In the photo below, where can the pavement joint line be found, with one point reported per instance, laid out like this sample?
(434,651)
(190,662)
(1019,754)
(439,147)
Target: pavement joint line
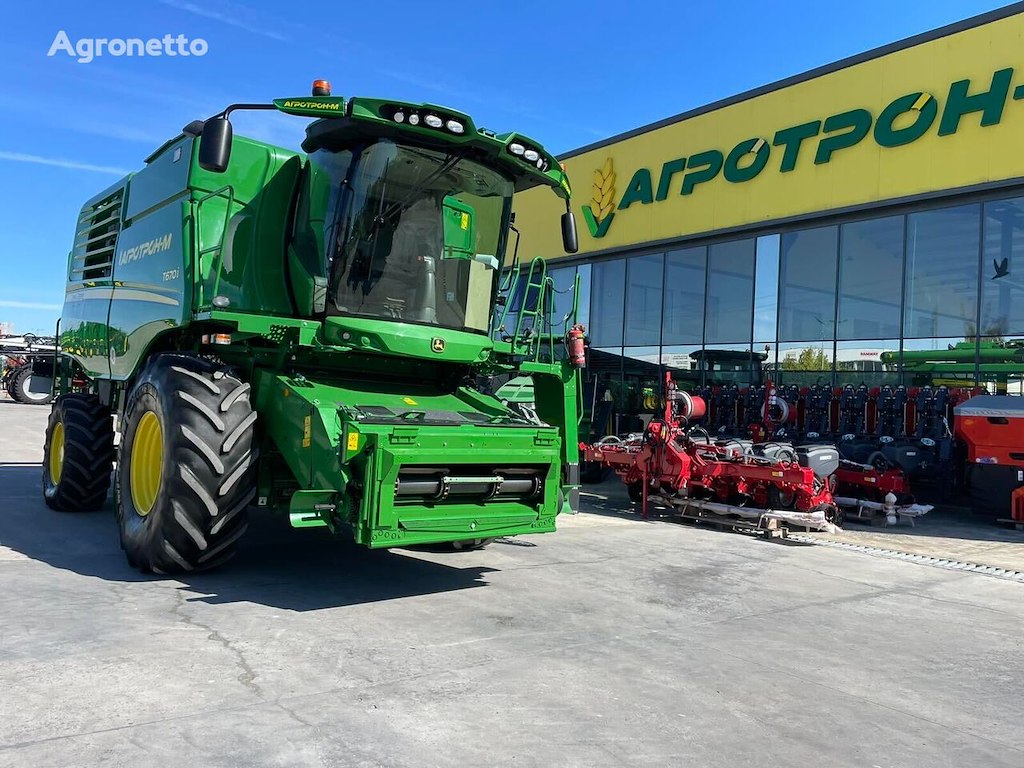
(935,562)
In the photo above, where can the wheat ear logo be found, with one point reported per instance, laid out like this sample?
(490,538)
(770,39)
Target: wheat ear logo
(598,214)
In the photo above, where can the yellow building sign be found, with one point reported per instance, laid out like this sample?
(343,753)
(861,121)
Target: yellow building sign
(941,115)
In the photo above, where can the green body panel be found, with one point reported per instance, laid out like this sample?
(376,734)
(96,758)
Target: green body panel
(242,227)
(407,340)
(184,235)
(150,293)
(84,329)
(164,178)
(84,334)
(178,258)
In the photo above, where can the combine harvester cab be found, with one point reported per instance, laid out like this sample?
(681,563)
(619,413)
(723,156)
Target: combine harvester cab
(305,332)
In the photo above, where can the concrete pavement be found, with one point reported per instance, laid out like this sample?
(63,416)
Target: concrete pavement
(612,642)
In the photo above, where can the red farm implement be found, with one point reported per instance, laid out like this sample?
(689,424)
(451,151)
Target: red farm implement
(735,478)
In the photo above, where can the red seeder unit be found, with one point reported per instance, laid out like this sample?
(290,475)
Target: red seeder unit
(676,459)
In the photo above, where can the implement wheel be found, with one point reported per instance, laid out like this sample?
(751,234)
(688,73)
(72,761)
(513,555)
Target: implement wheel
(781,499)
(78,454)
(20,383)
(184,466)
(636,492)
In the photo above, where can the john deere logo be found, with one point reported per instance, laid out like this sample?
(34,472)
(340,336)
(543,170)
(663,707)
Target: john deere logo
(903,121)
(437,344)
(598,214)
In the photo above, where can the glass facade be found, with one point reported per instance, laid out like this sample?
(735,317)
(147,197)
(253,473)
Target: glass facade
(941,291)
(766,290)
(870,278)
(1002,265)
(644,280)
(607,303)
(729,307)
(893,299)
(685,281)
(807,284)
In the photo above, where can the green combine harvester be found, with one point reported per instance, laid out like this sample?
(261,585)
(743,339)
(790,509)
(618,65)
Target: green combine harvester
(304,333)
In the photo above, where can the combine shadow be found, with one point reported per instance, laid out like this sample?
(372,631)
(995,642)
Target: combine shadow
(609,498)
(298,570)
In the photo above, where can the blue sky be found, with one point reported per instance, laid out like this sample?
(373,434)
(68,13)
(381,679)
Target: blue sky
(565,73)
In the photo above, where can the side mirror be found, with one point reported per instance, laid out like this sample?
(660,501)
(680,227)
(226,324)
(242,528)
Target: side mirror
(569,240)
(215,145)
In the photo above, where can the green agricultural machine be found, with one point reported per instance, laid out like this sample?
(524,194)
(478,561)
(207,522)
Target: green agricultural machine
(999,363)
(304,331)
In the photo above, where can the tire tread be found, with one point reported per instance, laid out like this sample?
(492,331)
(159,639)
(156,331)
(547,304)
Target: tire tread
(201,513)
(88,454)
(18,380)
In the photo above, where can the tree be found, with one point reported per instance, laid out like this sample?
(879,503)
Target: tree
(807,359)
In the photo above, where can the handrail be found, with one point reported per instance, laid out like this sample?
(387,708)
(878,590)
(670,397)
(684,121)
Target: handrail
(508,283)
(536,280)
(547,318)
(507,288)
(54,387)
(571,319)
(228,192)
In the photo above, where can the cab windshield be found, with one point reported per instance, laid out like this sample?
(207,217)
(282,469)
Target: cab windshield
(413,234)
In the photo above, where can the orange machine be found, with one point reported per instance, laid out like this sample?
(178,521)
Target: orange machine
(992,427)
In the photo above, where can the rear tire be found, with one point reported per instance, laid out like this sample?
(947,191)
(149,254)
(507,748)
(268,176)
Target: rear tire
(78,454)
(20,382)
(185,465)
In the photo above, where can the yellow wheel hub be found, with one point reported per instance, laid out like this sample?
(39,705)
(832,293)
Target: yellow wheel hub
(146,463)
(57,453)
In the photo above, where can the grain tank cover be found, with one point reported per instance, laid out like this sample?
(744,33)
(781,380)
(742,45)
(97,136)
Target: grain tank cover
(1003,406)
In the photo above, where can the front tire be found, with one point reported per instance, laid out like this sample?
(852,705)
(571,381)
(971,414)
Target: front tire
(78,454)
(184,469)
